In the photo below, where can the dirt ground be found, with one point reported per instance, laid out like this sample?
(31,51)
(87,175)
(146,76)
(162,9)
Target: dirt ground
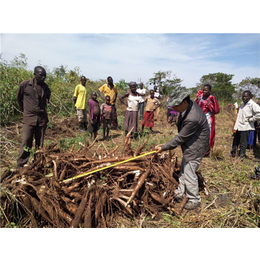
(223,188)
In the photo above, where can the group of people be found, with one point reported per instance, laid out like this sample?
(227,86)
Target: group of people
(149,105)
(137,102)
(105,113)
(245,124)
(195,124)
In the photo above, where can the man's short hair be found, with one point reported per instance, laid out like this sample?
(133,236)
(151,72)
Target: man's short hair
(38,68)
(249,93)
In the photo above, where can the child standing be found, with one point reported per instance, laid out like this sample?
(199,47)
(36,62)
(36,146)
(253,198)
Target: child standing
(131,113)
(151,104)
(106,116)
(94,115)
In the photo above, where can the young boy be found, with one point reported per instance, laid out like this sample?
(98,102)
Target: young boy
(106,116)
(94,115)
(79,99)
(151,104)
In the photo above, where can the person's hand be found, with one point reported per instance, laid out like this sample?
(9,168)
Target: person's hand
(158,149)
(91,122)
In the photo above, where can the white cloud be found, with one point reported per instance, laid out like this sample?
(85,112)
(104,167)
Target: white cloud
(134,56)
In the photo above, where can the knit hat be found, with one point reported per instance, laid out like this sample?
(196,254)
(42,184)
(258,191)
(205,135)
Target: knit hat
(177,96)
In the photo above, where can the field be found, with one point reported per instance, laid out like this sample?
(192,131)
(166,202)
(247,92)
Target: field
(233,201)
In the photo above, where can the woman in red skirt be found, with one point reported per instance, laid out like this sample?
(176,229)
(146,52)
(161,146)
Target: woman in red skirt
(210,107)
(151,104)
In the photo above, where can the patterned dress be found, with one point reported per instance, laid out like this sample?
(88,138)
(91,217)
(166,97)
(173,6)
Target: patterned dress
(210,107)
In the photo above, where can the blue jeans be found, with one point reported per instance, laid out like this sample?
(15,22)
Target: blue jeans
(141,109)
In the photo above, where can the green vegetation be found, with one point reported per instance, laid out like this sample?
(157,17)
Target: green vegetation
(234,199)
(62,83)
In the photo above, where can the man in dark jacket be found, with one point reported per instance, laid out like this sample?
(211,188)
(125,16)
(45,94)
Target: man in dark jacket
(193,137)
(32,97)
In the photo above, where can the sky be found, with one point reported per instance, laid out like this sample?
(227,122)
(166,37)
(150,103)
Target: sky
(137,56)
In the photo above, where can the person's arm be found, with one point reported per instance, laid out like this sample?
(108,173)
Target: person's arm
(101,112)
(75,95)
(115,98)
(158,104)
(141,94)
(90,107)
(188,130)
(115,89)
(256,113)
(200,92)
(112,114)
(48,95)
(121,98)
(99,93)
(19,96)
(213,105)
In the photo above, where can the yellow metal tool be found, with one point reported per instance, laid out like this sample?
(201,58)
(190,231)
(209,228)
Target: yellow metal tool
(106,167)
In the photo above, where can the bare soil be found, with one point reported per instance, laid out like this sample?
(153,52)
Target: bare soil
(40,199)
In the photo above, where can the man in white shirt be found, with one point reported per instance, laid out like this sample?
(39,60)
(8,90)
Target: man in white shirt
(248,113)
(141,91)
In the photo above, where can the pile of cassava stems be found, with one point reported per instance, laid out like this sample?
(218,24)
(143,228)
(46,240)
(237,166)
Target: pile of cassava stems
(42,194)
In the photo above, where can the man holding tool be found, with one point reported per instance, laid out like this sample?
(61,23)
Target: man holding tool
(193,137)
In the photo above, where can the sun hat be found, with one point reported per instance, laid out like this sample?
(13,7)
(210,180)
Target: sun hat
(177,96)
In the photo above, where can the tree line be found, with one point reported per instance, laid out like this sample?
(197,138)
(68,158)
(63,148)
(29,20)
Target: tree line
(62,82)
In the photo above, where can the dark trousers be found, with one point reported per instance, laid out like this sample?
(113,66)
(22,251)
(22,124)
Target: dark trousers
(28,133)
(141,109)
(240,138)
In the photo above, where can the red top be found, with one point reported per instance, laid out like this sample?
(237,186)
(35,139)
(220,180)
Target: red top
(207,105)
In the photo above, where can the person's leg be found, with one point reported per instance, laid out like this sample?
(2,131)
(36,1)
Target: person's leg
(181,189)
(108,132)
(156,113)
(104,132)
(85,120)
(39,135)
(95,134)
(91,130)
(26,145)
(115,123)
(235,144)
(191,180)
(81,120)
(168,112)
(141,110)
(243,143)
